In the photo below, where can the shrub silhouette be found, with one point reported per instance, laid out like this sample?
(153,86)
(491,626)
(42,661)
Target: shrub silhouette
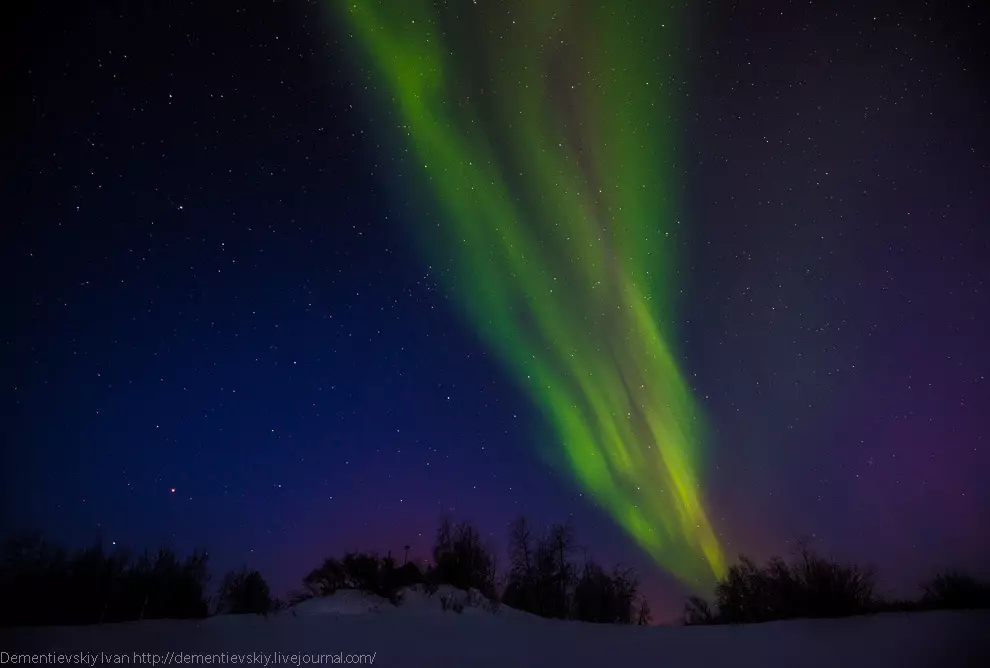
(644,615)
(825,588)
(955,590)
(812,586)
(325,579)
(522,589)
(541,575)
(600,597)
(543,580)
(698,611)
(42,583)
(363,571)
(461,560)
(245,592)
(406,575)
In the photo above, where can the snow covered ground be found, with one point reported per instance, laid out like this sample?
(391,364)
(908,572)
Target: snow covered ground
(420,633)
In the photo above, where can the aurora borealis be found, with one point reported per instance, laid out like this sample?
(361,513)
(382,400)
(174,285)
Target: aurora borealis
(699,278)
(546,131)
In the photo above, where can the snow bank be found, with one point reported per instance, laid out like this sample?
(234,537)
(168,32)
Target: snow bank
(416,636)
(344,602)
(415,601)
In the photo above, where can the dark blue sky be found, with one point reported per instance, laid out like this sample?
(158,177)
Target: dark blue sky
(212,289)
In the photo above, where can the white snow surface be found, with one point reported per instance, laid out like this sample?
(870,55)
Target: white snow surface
(419,633)
(414,601)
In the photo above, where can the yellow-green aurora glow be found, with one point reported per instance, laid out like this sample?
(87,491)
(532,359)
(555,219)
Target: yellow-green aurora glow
(544,128)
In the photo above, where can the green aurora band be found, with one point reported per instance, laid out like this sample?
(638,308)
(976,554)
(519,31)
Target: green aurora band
(543,128)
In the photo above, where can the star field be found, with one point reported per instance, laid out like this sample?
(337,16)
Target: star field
(222,333)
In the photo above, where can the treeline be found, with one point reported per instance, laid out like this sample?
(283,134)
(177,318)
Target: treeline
(42,583)
(543,577)
(811,585)
(460,559)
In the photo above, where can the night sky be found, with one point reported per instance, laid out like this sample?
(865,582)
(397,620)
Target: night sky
(243,315)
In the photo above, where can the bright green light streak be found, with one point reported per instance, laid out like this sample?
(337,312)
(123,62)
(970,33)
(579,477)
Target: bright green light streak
(544,129)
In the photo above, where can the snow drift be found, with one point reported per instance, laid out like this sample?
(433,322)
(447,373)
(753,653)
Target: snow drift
(425,631)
